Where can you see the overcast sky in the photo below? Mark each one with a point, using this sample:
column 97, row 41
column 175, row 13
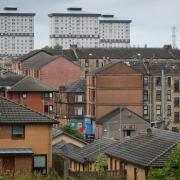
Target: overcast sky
column 152, row 20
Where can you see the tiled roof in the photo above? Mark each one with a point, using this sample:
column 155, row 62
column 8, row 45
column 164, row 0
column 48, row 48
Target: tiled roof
column 37, row 60
column 16, row 151
column 171, row 67
column 127, row 53
column 9, row 79
column 155, row 67
column 127, row 116
column 56, row 132
column 145, row 150
column 11, row 112
column 91, row 151
column 76, row 86
column 32, row 85
column 63, row 148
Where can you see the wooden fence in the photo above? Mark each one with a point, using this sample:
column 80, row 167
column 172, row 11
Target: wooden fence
column 106, row 175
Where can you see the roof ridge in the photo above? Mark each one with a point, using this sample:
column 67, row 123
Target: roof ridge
column 166, row 150
column 6, row 99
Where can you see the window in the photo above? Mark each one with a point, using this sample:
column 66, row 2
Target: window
column 48, row 95
column 176, row 85
column 78, row 98
column 40, row 163
column 86, row 63
column 169, row 81
column 146, row 110
column 176, row 102
column 158, row 95
column 78, row 111
column 18, row 132
column 145, row 95
column 169, row 110
column 158, row 110
column 176, row 116
column 169, row 95
column 24, row 95
column 97, row 63
column 158, row 81
column 48, row 108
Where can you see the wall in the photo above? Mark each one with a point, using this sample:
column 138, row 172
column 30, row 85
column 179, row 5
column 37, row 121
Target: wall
column 60, row 72
column 34, row 100
column 67, row 139
column 37, row 137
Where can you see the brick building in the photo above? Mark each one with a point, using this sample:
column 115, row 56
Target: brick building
column 156, row 108
column 114, row 85
column 52, row 70
column 71, row 103
column 29, row 92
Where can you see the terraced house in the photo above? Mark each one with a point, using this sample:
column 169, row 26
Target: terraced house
column 136, row 156
column 21, row 131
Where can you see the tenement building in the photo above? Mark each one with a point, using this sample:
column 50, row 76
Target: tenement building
column 84, row 29
column 16, row 32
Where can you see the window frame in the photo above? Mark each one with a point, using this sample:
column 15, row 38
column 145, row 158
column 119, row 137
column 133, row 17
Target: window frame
column 17, row 137
column 176, row 90
column 158, row 95
column 145, row 95
column 158, row 81
column 39, row 169
column 48, row 97
column 158, row 109
column 175, row 120
column 146, row 110
column 176, row 102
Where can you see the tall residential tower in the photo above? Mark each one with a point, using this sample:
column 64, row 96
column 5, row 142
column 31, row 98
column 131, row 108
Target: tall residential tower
column 16, row 33
column 84, row 29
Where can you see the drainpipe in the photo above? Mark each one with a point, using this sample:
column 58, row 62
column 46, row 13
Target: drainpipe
column 163, row 99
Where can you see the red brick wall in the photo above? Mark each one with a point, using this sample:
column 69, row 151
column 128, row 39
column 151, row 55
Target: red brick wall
column 60, row 72
column 33, row 101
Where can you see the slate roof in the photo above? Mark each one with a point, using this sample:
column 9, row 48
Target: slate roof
column 91, row 151
column 123, row 113
column 146, row 150
column 9, row 79
column 56, row 132
column 38, row 60
column 16, row 151
column 29, row 84
column 155, row 67
column 152, row 67
column 127, row 53
column 11, row 112
column 63, row 148
column 76, row 86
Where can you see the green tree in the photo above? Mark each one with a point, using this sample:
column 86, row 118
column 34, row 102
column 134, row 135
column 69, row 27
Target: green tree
column 71, row 131
column 171, row 169
column 101, row 163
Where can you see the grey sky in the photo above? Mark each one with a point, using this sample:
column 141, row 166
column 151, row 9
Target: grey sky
column 152, row 20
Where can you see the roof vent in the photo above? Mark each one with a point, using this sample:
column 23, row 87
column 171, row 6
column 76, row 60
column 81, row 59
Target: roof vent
column 149, row 131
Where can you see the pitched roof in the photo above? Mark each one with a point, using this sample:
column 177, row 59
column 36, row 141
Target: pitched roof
column 31, row 84
column 37, row 60
column 144, row 149
column 126, row 115
column 56, row 132
column 63, row 148
column 155, row 67
column 127, row 53
column 9, row 79
column 76, row 86
column 11, row 112
column 91, row 151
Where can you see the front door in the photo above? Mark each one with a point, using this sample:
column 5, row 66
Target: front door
column 8, row 163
